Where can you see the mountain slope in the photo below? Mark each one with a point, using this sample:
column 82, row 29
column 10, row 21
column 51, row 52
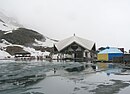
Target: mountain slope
column 22, row 36
column 8, row 23
column 15, row 38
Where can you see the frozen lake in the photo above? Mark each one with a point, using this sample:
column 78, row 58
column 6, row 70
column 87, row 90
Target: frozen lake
column 36, row 77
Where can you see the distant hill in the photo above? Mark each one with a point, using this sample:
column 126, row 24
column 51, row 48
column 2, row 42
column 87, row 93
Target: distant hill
column 22, row 36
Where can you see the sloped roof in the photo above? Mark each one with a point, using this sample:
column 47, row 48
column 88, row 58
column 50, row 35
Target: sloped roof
column 87, row 44
column 110, row 50
column 22, row 52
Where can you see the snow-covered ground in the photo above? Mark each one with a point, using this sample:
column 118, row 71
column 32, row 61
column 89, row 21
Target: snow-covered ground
column 4, row 54
column 48, row 43
column 7, row 27
column 36, row 53
column 8, row 23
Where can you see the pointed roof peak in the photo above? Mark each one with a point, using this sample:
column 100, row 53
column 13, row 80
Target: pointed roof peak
column 87, row 44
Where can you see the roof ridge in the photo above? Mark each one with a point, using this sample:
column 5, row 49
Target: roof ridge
column 87, row 44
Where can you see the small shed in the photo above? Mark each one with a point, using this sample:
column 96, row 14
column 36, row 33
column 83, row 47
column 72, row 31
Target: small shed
column 109, row 53
column 22, row 54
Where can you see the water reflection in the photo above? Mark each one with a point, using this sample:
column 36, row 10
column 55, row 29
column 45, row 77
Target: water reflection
column 52, row 78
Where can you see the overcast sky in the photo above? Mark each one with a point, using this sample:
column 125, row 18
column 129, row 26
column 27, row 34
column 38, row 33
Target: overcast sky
column 106, row 22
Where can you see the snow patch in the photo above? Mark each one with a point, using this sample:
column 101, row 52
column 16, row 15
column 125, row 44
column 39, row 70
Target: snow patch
column 6, row 42
column 4, row 55
column 8, row 32
column 47, row 43
column 35, row 52
column 8, row 23
column 7, row 27
column 9, row 20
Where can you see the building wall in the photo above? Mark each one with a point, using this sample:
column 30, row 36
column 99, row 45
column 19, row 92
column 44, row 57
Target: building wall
column 112, row 55
column 126, row 58
column 78, row 52
column 102, row 57
column 108, row 57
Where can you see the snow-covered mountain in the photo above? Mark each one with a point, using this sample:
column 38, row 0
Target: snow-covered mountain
column 13, row 34
column 8, row 23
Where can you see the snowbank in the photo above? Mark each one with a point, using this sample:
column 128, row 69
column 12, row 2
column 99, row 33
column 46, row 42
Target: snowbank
column 35, row 52
column 4, row 55
column 47, row 43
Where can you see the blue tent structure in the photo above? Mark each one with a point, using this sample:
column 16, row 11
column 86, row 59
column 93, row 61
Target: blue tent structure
column 109, row 53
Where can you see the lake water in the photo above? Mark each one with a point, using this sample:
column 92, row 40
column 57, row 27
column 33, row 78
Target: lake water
column 39, row 77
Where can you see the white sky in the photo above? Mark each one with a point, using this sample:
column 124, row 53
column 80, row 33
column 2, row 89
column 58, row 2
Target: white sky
column 107, row 22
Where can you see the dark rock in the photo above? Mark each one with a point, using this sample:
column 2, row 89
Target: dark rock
column 75, row 69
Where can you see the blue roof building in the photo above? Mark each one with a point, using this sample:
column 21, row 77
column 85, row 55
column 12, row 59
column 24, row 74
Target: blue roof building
column 109, row 53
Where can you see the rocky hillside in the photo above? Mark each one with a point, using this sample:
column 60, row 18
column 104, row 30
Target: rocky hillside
column 22, row 36
column 15, row 33
column 14, row 37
